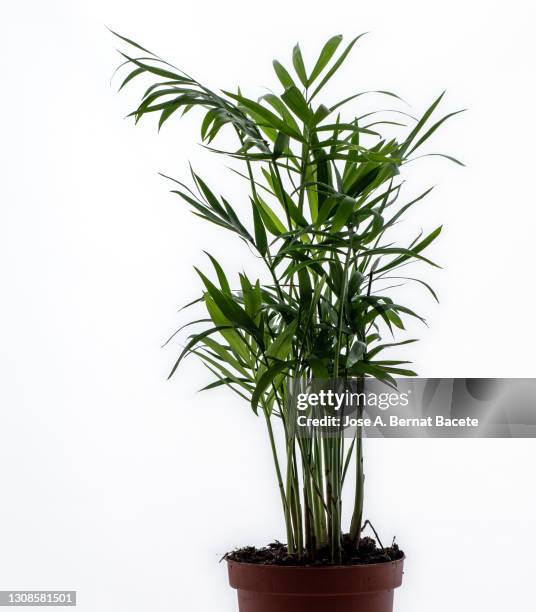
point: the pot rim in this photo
(315, 567)
(315, 580)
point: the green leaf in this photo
(207, 122)
(362, 93)
(405, 207)
(336, 65)
(420, 124)
(299, 66)
(266, 380)
(154, 69)
(284, 199)
(205, 212)
(271, 119)
(251, 296)
(373, 370)
(270, 219)
(166, 114)
(433, 129)
(235, 340)
(224, 284)
(280, 144)
(234, 220)
(211, 199)
(320, 114)
(318, 367)
(399, 371)
(223, 380)
(223, 370)
(225, 355)
(394, 318)
(449, 157)
(344, 209)
(280, 107)
(131, 76)
(192, 342)
(283, 75)
(261, 241)
(294, 99)
(306, 290)
(356, 353)
(280, 347)
(405, 254)
(131, 42)
(325, 55)
(428, 240)
(381, 347)
(231, 310)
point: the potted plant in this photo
(321, 194)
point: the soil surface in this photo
(277, 554)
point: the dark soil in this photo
(277, 554)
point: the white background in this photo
(108, 484)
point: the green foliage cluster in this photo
(323, 191)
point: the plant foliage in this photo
(324, 189)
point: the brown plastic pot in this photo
(350, 588)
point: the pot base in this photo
(355, 588)
(363, 602)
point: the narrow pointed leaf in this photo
(299, 66)
(282, 74)
(336, 65)
(325, 55)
